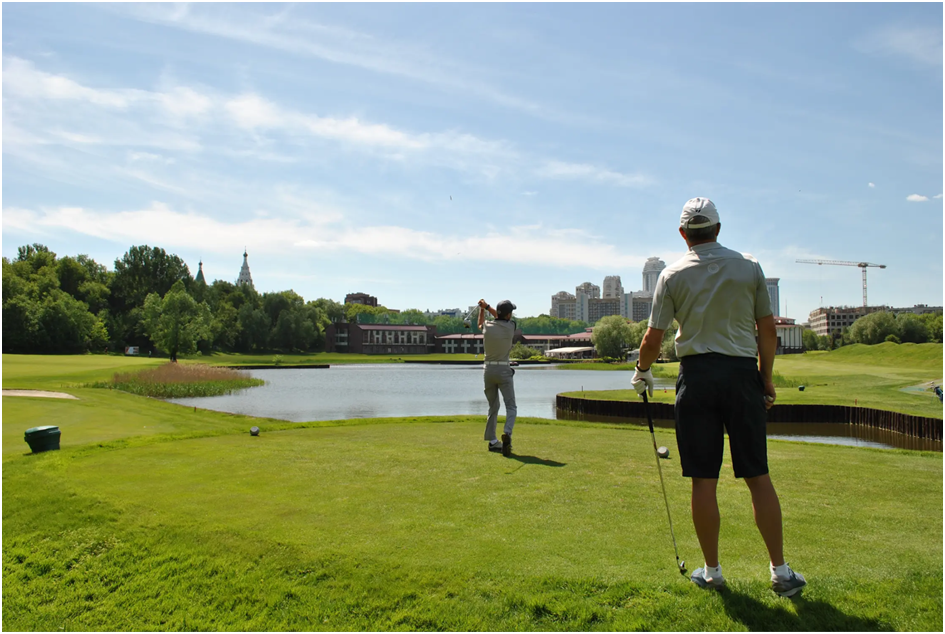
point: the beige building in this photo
(833, 319)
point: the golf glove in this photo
(642, 381)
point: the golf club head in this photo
(682, 568)
(467, 323)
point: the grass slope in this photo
(159, 517)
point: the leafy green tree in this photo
(35, 255)
(446, 325)
(912, 329)
(142, 271)
(637, 330)
(177, 322)
(334, 311)
(66, 325)
(294, 331)
(254, 328)
(224, 327)
(810, 339)
(933, 321)
(611, 335)
(872, 329)
(668, 349)
(521, 351)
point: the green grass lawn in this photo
(865, 376)
(158, 517)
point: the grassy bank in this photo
(155, 516)
(866, 376)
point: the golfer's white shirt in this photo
(497, 338)
(716, 295)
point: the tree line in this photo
(150, 300)
(880, 327)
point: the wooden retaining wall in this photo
(915, 426)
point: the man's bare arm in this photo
(767, 347)
(483, 307)
(650, 348)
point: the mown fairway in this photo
(154, 516)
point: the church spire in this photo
(245, 277)
(200, 278)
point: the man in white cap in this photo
(497, 336)
(718, 297)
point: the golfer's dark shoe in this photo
(790, 586)
(506, 445)
(698, 577)
(495, 446)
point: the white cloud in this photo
(871, 185)
(938, 196)
(324, 230)
(921, 44)
(180, 119)
(593, 173)
(20, 78)
(339, 45)
(917, 198)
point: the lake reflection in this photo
(392, 390)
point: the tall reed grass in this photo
(176, 380)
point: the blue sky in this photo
(328, 140)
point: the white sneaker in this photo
(698, 577)
(787, 586)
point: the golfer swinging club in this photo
(718, 297)
(497, 374)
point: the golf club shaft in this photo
(649, 419)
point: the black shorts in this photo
(717, 393)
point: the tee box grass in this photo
(158, 517)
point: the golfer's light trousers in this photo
(498, 378)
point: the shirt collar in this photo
(706, 247)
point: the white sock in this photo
(782, 571)
(712, 573)
(493, 442)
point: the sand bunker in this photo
(39, 393)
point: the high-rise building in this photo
(772, 284)
(639, 305)
(245, 278)
(613, 289)
(563, 305)
(591, 290)
(651, 273)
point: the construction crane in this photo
(862, 265)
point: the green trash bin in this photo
(43, 438)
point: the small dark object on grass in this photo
(254, 431)
(800, 388)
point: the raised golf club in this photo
(649, 419)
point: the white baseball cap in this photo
(698, 207)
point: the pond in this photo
(394, 390)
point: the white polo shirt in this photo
(497, 336)
(716, 295)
